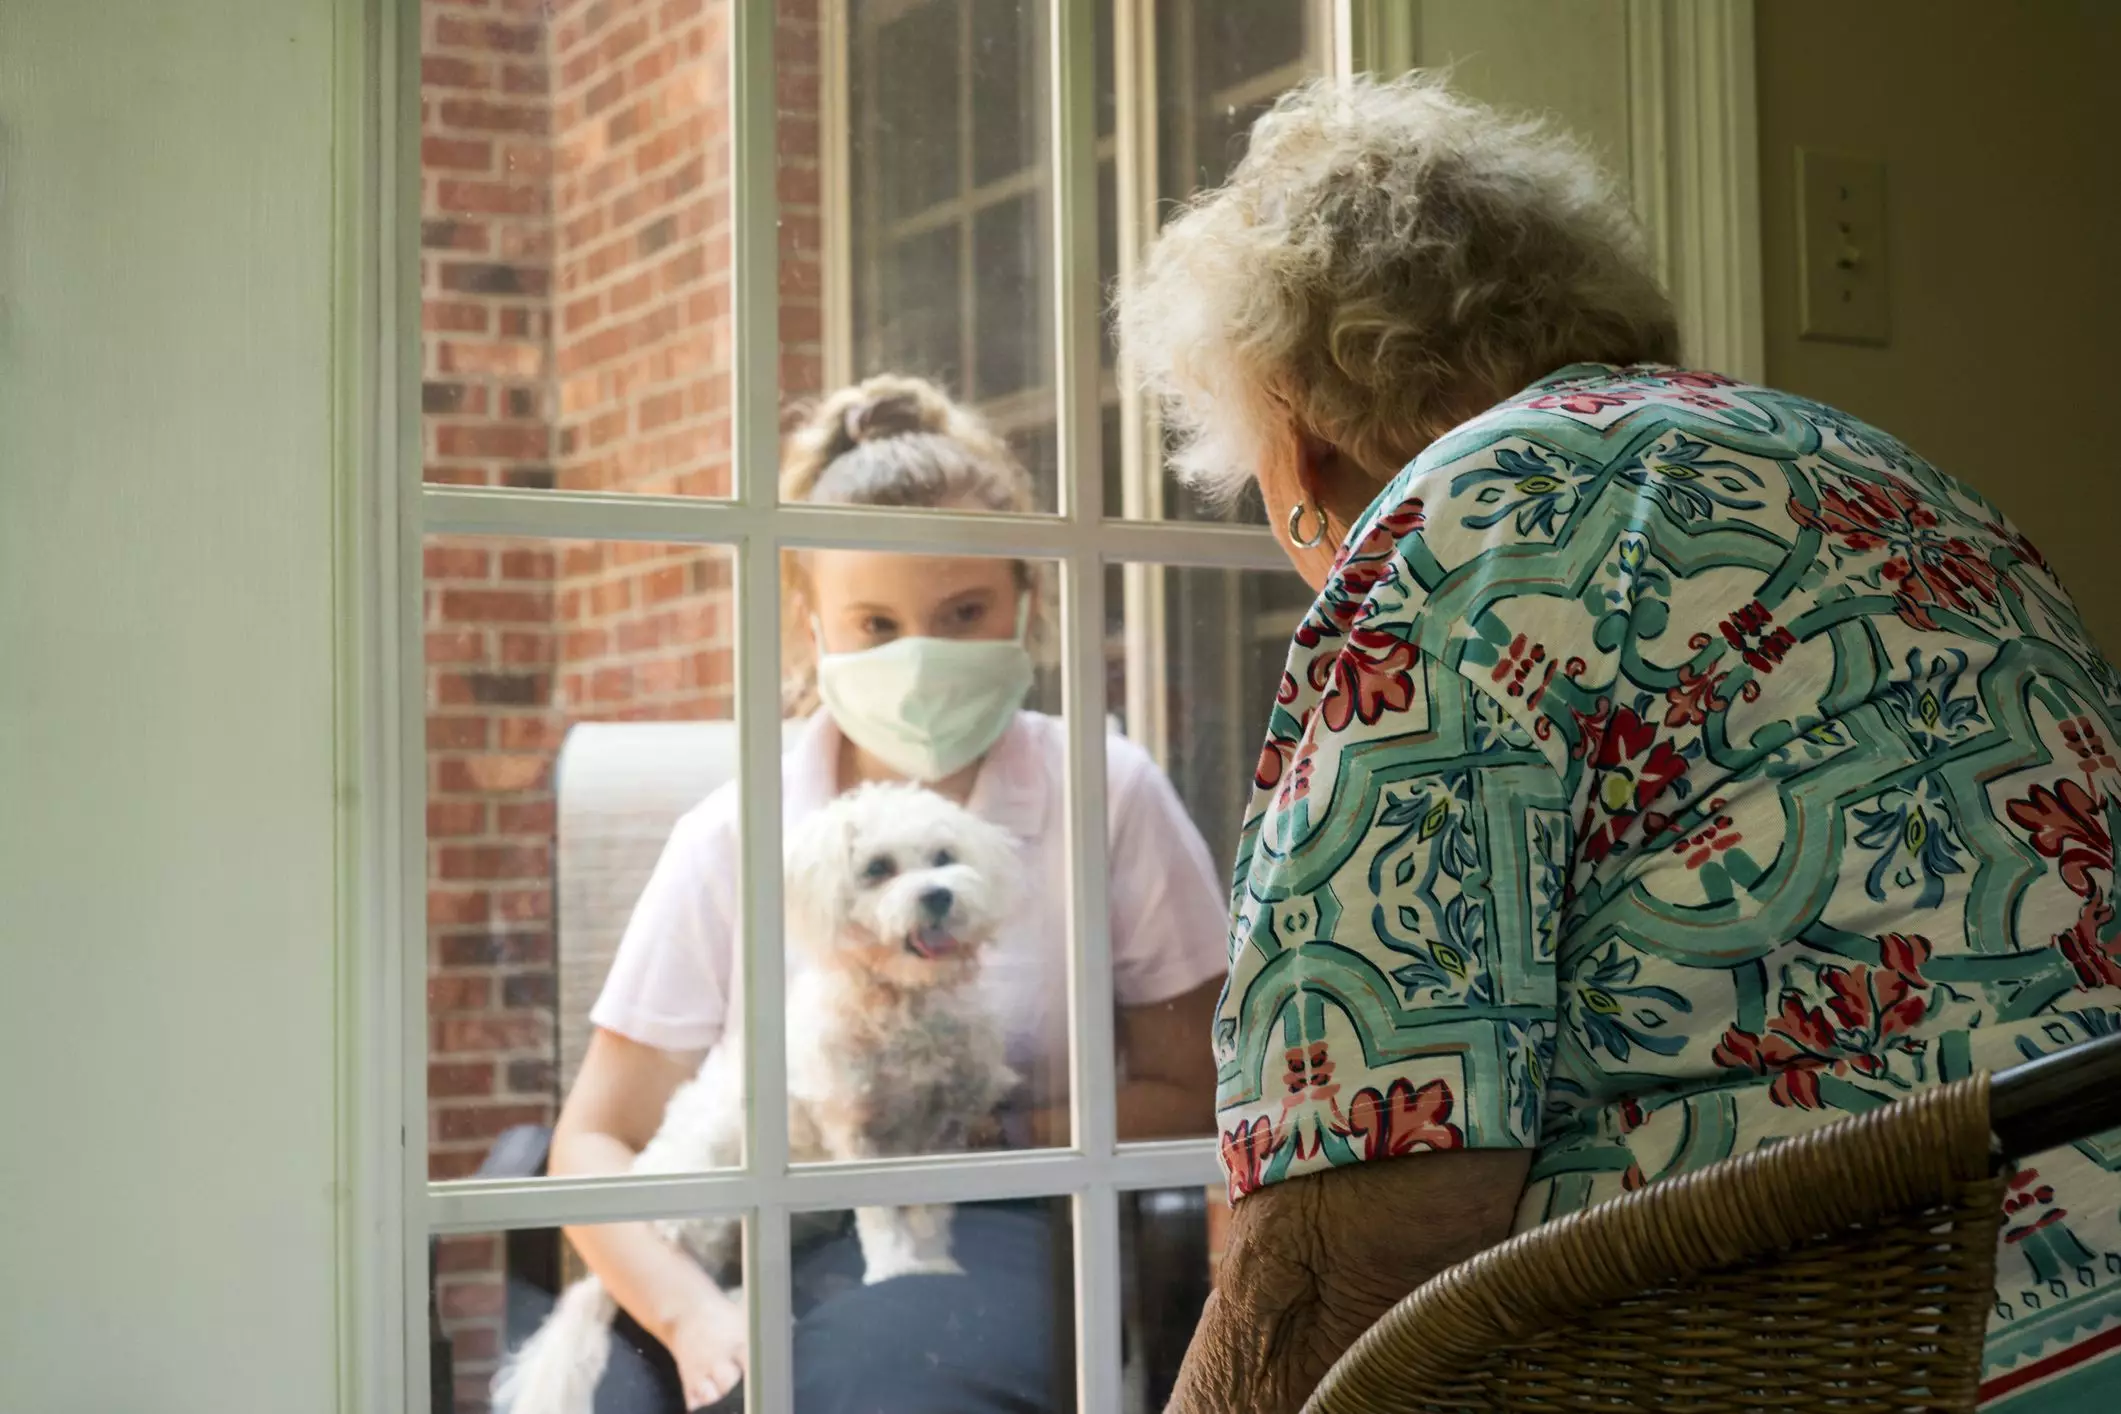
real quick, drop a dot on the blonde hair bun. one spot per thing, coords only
(861, 433)
(899, 408)
(873, 410)
(897, 442)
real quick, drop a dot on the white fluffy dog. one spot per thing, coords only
(892, 894)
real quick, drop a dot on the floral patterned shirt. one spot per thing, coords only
(1669, 766)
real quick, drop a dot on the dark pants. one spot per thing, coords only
(997, 1340)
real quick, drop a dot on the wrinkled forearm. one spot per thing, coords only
(1313, 1262)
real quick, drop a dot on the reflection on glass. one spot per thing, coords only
(1170, 1241)
(579, 703)
(1219, 65)
(908, 111)
(575, 231)
(998, 1334)
(1005, 47)
(1215, 61)
(920, 310)
(492, 1328)
(1238, 40)
(1192, 659)
(947, 266)
(1010, 351)
(941, 153)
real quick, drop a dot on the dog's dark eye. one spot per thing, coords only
(944, 859)
(879, 869)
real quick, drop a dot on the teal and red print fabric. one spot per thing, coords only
(1669, 766)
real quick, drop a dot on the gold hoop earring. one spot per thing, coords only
(1296, 534)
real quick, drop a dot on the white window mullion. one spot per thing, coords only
(768, 1282)
(755, 298)
(1141, 465)
(490, 1205)
(692, 520)
(1076, 303)
(836, 190)
(1372, 36)
(1098, 1300)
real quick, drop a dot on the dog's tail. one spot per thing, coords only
(557, 1370)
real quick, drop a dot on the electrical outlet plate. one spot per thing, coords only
(1842, 272)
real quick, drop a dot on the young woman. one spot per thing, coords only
(905, 667)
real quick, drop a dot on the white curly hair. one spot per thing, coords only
(1388, 260)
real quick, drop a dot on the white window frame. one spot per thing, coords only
(1693, 166)
(1132, 147)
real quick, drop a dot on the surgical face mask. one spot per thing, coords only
(927, 707)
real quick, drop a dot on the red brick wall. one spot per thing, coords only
(641, 196)
(799, 188)
(487, 395)
(643, 349)
(641, 352)
(648, 633)
(486, 234)
(491, 735)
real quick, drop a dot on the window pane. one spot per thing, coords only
(1006, 238)
(1103, 68)
(1218, 67)
(1220, 139)
(920, 324)
(997, 1335)
(1008, 88)
(579, 702)
(932, 253)
(906, 74)
(1240, 39)
(1038, 451)
(1170, 1241)
(492, 1291)
(928, 944)
(575, 230)
(1193, 657)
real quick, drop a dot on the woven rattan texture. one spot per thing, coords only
(1850, 1269)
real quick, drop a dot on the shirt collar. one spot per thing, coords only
(1578, 371)
(1010, 790)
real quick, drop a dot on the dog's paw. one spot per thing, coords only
(911, 1267)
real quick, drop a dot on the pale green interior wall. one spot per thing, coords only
(1568, 58)
(166, 848)
(1997, 124)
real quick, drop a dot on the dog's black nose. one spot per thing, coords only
(936, 903)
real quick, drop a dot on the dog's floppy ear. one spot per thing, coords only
(817, 878)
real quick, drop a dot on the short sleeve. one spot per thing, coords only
(1393, 972)
(1170, 913)
(669, 984)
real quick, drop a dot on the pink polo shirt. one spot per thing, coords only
(676, 972)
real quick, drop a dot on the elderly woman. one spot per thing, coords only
(1668, 765)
